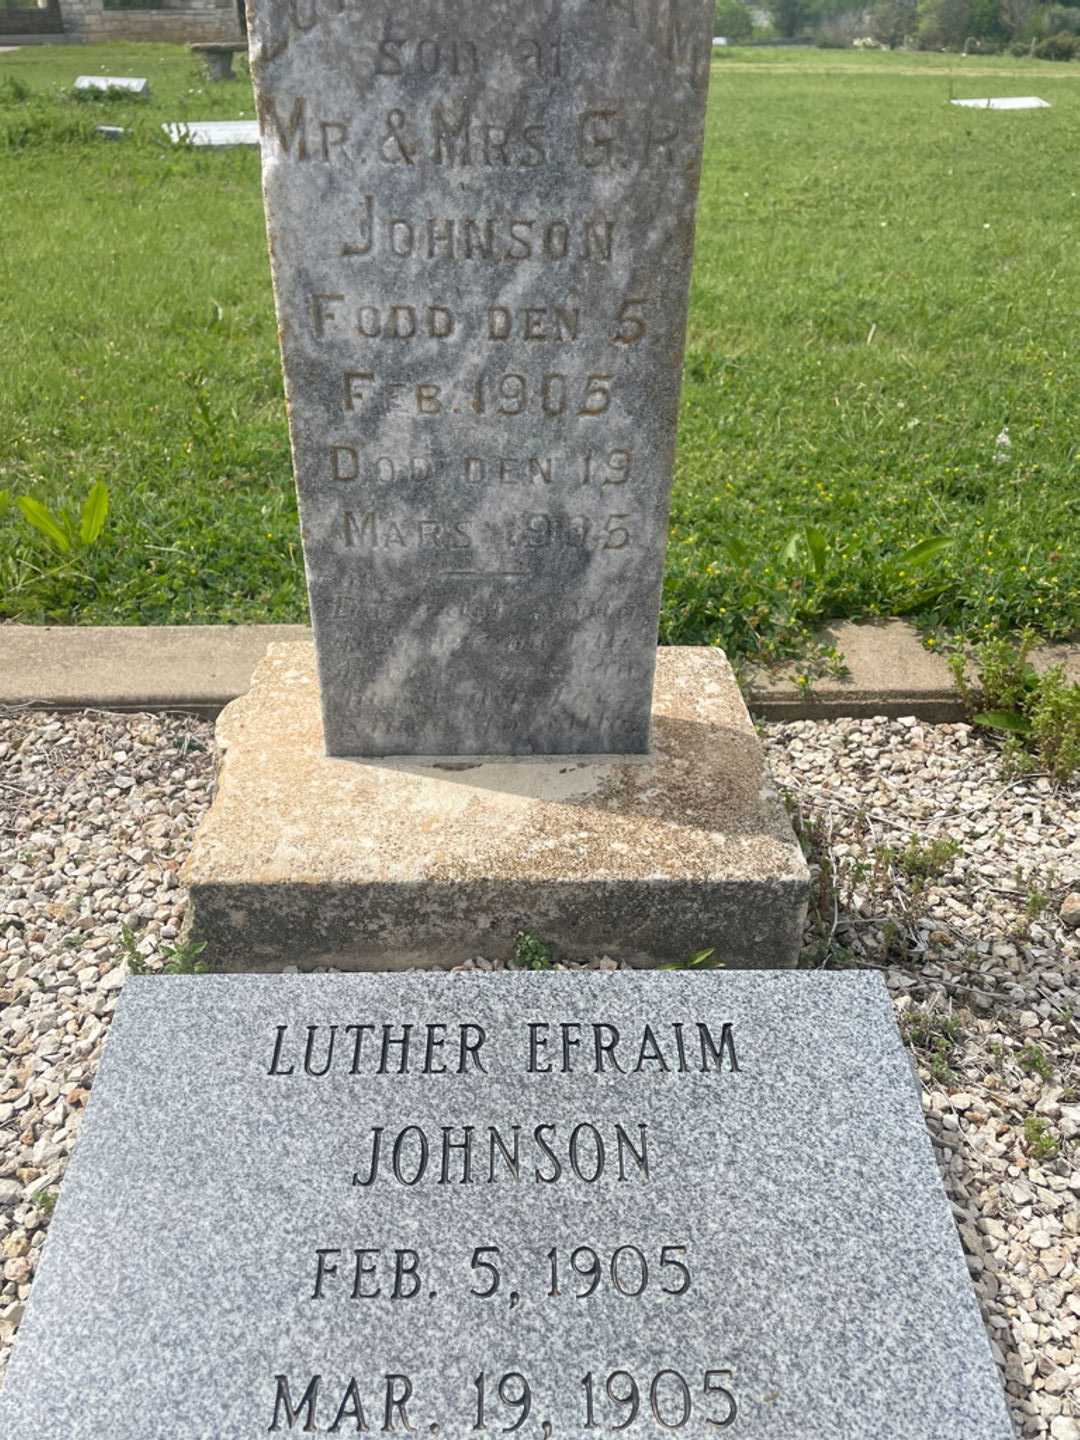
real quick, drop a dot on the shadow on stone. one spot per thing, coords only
(311, 860)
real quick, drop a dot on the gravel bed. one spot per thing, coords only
(96, 815)
(962, 884)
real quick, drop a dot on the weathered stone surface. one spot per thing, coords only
(138, 85)
(481, 224)
(310, 859)
(216, 134)
(774, 1238)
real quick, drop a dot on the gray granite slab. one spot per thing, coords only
(481, 220)
(1005, 102)
(216, 134)
(772, 1242)
(138, 85)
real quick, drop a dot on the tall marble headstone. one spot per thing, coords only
(481, 221)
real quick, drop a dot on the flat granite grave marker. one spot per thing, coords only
(481, 220)
(1005, 102)
(136, 84)
(215, 134)
(543, 1205)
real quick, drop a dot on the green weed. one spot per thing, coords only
(1036, 904)
(1039, 1138)
(532, 953)
(1039, 714)
(697, 960)
(934, 1035)
(183, 959)
(1033, 1061)
(180, 959)
(921, 861)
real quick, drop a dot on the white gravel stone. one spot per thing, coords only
(74, 842)
(984, 968)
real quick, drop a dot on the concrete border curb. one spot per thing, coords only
(198, 669)
(194, 668)
(890, 672)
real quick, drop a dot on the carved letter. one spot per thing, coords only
(308, 1401)
(351, 1408)
(281, 1029)
(296, 130)
(449, 135)
(367, 230)
(344, 462)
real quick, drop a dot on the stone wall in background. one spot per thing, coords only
(31, 19)
(177, 24)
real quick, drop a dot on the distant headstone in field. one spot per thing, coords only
(219, 57)
(137, 86)
(214, 133)
(1005, 102)
(482, 222)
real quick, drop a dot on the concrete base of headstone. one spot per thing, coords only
(379, 864)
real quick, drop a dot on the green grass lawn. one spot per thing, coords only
(882, 281)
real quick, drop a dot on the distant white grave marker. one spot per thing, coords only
(213, 132)
(137, 85)
(1005, 102)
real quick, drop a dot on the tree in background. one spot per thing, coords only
(789, 16)
(892, 21)
(1061, 17)
(734, 20)
(1017, 16)
(944, 24)
(936, 24)
(985, 22)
